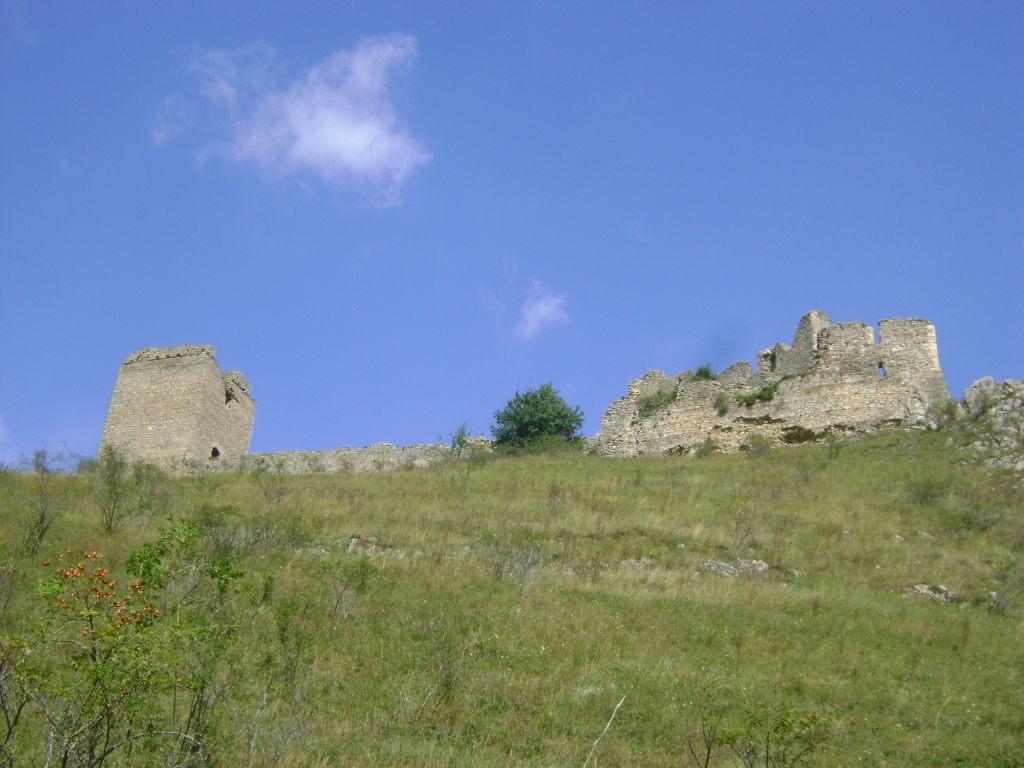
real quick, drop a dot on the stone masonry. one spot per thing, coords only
(173, 406)
(379, 457)
(834, 379)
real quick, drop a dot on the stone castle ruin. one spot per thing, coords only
(173, 406)
(834, 379)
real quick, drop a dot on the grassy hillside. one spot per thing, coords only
(495, 612)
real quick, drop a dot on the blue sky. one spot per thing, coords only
(392, 216)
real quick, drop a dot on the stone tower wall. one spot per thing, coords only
(910, 355)
(173, 405)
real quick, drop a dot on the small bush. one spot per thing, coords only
(929, 490)
(722, 404)
(458, 443)
(704, 373)
(45, 500)
(650, 404)
(758, 445)
(707, 448)
(113, 484)
(763, 395)
(945, 414)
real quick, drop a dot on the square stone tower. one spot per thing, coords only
(174, 405)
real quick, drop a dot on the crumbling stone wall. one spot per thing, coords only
(172, 406)
(379, 457)
(834, 378)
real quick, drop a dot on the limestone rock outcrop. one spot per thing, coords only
(834, 379)
(992, 422)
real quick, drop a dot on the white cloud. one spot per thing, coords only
(337, 122)
(541, 310)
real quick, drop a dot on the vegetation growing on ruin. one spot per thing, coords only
(648, 405)
(763, 395)
(722, 403)
(704, 373)
(496, 611)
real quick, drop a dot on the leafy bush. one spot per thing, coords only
(763, 395)
(106, 675)
(654, 402)
(534, 415)
(458, 443)
(704, 373)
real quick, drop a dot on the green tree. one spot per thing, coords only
(534, 415)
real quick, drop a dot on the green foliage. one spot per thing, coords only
(41, 502)
(758, 445)
(704, 373)
(497, 617)
(708, 448)
(722, 403)
(763, 395)
(650, 404)
(122, 487)
(458, 444)
(112, 474)
(945, 414)
(346, 579)
(92, 677)
(778, 737)
(534, 415)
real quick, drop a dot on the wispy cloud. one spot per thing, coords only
(13, 16)
(173, 117)
(638, 231)
(541, 310)
(337, 122)
(233, 79)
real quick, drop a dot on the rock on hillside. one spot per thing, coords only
(993, 421)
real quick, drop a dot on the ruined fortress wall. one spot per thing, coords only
(174, 404)
(782, 360)
(847, 352)
(834, 378)
(910, 354)
(380, 457)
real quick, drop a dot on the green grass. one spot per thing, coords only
(508, 604)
